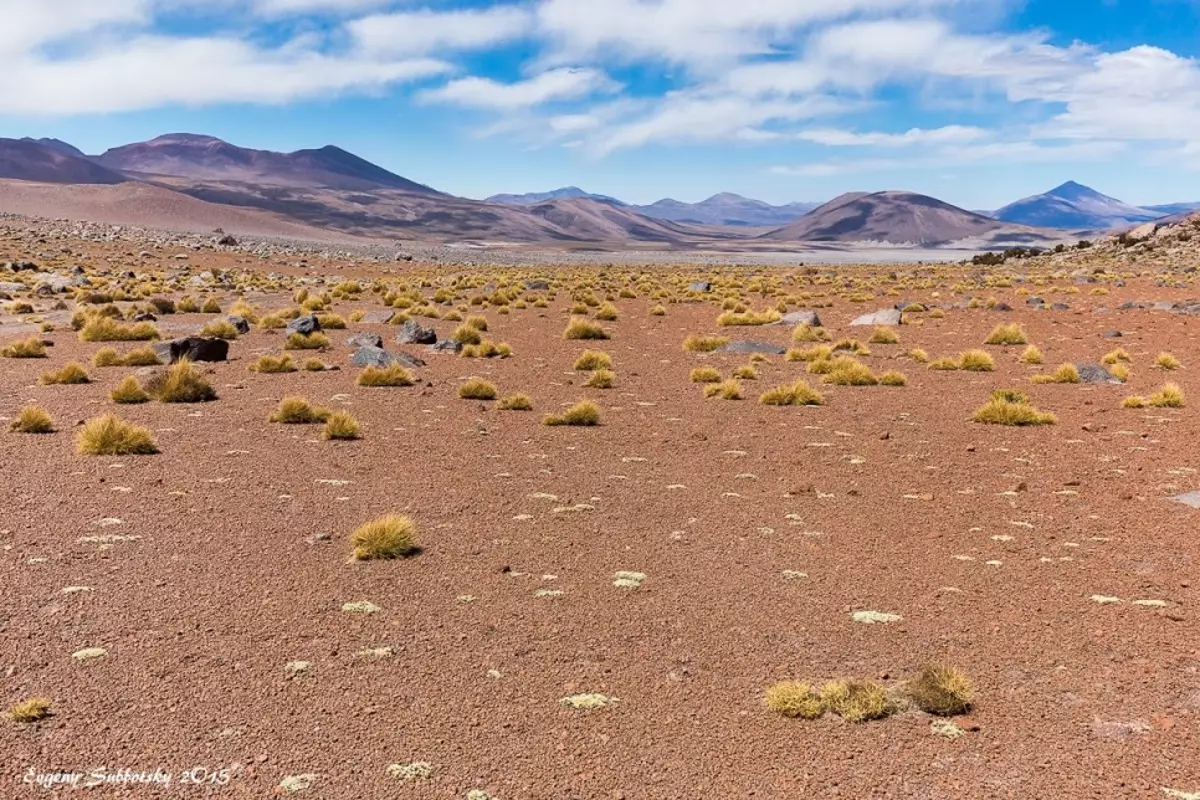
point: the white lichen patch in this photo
(89, 653)
(376, 653)
(794, 575)
(108, 538)
(361, 607)
(1176, 794)
(575, 509)
(587, 701)
(298, 783)
(628, 580)
(295, 669)
(1104, 599)
(873, 617)
(75, 589)
(1151, 603)
(480, 794)
(548, 593)
(946, 728)
(417, 770)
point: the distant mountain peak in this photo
(1073, 206)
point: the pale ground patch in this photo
(945, 728)
(295, 669)
(361, 607)
(298, 783)
(628, 580)
(89, 653)
(588, 700)
(872, 617)
(415, 771)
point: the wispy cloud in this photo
(556, 84)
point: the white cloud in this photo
(271, 7)
(832, 137)
(419, 32)
(555, 84)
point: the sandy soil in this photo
(990, 543)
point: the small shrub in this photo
(941, 690)
(1134, 402)
(601, 379)
(795, 699)
(477, 389)
(32, 710)
(658, 311)
(515, 402)
(111, 436)
(72, 373)
(1032, 356)
(1116, 356)
(999, 411)
(1011, 396)
(807, 333)
(884, 336)
(141, 357)
(32, 419)
(187, 305)
(1066, 373)
(105, 329)
(584, 329)
(341, 426)
(129, 392)
(846, 371)
(33, 347)
(312, 341)
(893, 378)
(818, 352)
(1169, 396)
(389, 536)
(467, 335)
(274, 364)
(796, 394)
(918, 355)
(766, 317)
(1007, 334)
(392, 375)
(584, 413)
(856, 701)
(1120, 371)
(106, 357)
(220, 329)
(695, 343)
(1167, 361)
(976, 361)
(705, 375)
(945, 364)
(181, 383)
(478, 322)
(606, 313)
(315, 365)
(746, 372)
(331, 322)
(726, 390)
(297, 411)
(211, 306)
(592, 360)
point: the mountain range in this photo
(330, 192)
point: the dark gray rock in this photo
(1111, 335)
(193, 348)
(537, 286)
(412, 333)
(700, 286)
(410, 361)
(1002, 307)
(22, 266)
(801, 318)
(227, 241)
(372, 357)
(238, 323)
(145, 316)
(378, 317)
(1095, 373)
(365, 340)
(304, 325)
(447, 346)
(1059, 307)
(884, 316)
(747, 346)
(1035, 301)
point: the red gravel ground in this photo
(990, 542)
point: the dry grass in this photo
(795, 699)
(893, 378)
(601, 379)
(211, 306)
(857, 700)
(976, 361)
(111, 436)
(796, 394)
(1169, 396)
(1167, 361)
(918, 355)
(33, 347)
(220, 329)
(106, 357)
(477, 389)
(1116, 356)
(584, 413)
(478, 322)
(592, 360)
(389, 536)
(884, 336)
(1120, 371)
(945, 364)
(312, 341)
(515, 402)
(807, 333)
(1136, 401)
(584, 329)
(274, 364)
(314, 365)
(658, 311)
(32, 419)
(696, 343)
(746, 372)
(731, 318)
(606, 312)
(31, 710)
(1011, 409)
(341, 426)
(141, 357)
(1066, 373)
(726, 390)
(105, 329)
(466, 335)
(1032, 355)
(392, 375)
(705, 375)
(1010, 333)
(72, 373)
(129, 392)
(181, 383)
(818, 352)
(297, 411)
(941, 690)
(847, 371)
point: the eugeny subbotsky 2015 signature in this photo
(103, 776)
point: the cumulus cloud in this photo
(555, 84)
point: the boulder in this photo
(365, 340)
(412, 333)
(700, 286)
(1059, 307)
(22, 266)
(446, 346)
(801, 318)
(378, 317)
(1095, 373)
(304, 325)
(145, 316)
(378, 357)
(748, 346)
(227, 241)
(1002, 307)
(884, 316)
(193, 348)
(1141, 232)
(537, 286)
(239, 323)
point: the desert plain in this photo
(598, 611)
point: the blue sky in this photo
(978, 102)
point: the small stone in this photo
(89, 653)
(295, 669)
(361, 607)
(298, 783)
(872, 617)
(417, 770)
(947, 729)
(628, 580)
(587, 701)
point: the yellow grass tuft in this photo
(607, 312)
(392, 375)
(746, 372)
(976, 361)
(31, 710)
(181, 383)
(72, 373)
(467, 335)
(32, 419)
(211, 306)
(1120, 372)
(105, 329)
(705, 375)
(941, 690)
(389, 536)
(341, 426)
(1066, 373)
(766, 317)
(106, 357)
(584, 329)
(312, 341)
(884, 336)
(1115, 356)
(274, 364)
(601, 379)
(807, 333)
(658, 311)
(696, 343)
(1134, 402)
(726, 390)
(1032, 356)
(794, 699)
(847, 371)
(592, 360)
(111, 436)
(297, 411)
(1167, 361)
(314, 365)
(944, 364)
(141, 357)
(478, 322)
(129, 392)
(515, 402)
(796, 394)
(818, 352)
(584, 413)
(477, 389)
(1000, 410)
(893, 378)
(220, 329)
(33, 347)
(1007, 334)
(856, 701)
(918, 355)
(1169, 396)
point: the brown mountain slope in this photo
(28, 160)
(583, 218)
(899, 218)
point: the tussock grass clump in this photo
(658, 311)
(746, 372)
(1009, 333)
(111, 436)
(853, 346)
(726, 390)
(181, 383)
(187, 305)
(697, 343)
(1167, 361)
(1032, 355)
(392, 375)
(106, 357)
(705, 375)
(72, 373)
(592, 360)
(857, 700)
(32, 419)
(918, 355)
(944, 364)
(297, 411)
(33, 347)
(211, 306)
(584, 413)
(807, 333)
(1120, 371)
(606, 313)
(331, 322)
(976, 361)
(1066, 373)
(486, 349)
(884, 336)
(893, 378)
(314, 365)
(515, 402)
(478, 322)
(1004, 410)
(795, 394)
(274, 364)
(477, 389)
(1136, 401)
(601, 379)
(389, 536)
(32, 710)
(220, 329)
(941, 690)
(819, 352)
(732, 318)
(795, 699)
(105, 329)
(1169, 396)
(584, 329)
(141, 357)
(129, 392)
(1011, 396)
(467, 335)
(312, 341)
(341, 426)
(1116, 356)
(846, 371)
